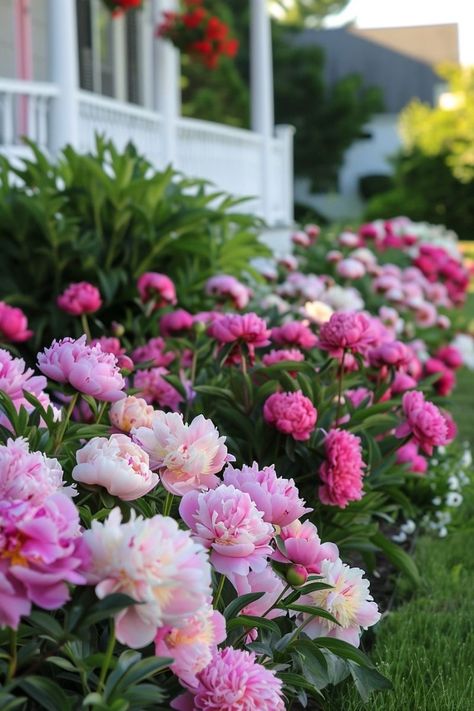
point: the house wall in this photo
(38, 9)
(7, 40)
(39, 21)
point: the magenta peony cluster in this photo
(152, 387)
(277, 356)
(156, 288)
(15, 380)
(446, 381)
(235, 328)
(227, 522)
(291, 413)
(117, 464)
(392, 353)
(86, 368)
(154, 351)
(154, 563)
(175, 322)
(277, 498)
(303, 547)
(187, 456)
(424, 422)
(130, 412)
(224, 286)
(13, 324)
(347, 331)
(408, 454)
(233, 681)
(342, 471)
(294, 333)
(80, 298)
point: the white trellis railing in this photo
(25, 111)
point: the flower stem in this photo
(85, 327)
(168, 504)
(101, 412)
(339, 393)
(108, 656)
(245, 378)
(63, 426)
(218, 594)
(13, 656)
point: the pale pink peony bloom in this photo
(289, 262)
(193, 645)
(154, 563)
(313, 231)
(87, 368)
(347, 330)
(13, 324)
(29, 476)
(233, 681)
(277, 356)
(424, 421)
(227, 522)
(357, 396)
(351, 268)
(153, 351)
(317, 311)
(187, 456)
(277, 498)
(266, 581)
(349, 239)
(348, 600)
(392, 353)
(408, 454)
(154, 389)
(228, 287)
(42, 551)
(130, 412)
(342, 470)
(294, 333)
(247, 328)
(403, 382)
(291, 413)
(334, 256)
(425, 314)
(80, 298)
(175, 322)
(14, 379)
(301, 239)
(109, 344)
(157, 288)
(117, 464)
(303, 547)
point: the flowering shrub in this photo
(205, 493)
(119, 7)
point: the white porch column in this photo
(167, 91)
(261, 79)
(63, 71)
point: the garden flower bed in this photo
(202, 466)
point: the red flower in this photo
(230, 48)
(202, 47)
(216, 30)
(193, 19)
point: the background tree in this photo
(306, 12)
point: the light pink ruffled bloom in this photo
(277, 498)
(153, 351)
(408, 454)
(424, 421)
(392, 353)
(247, 328)
(357, 396)
(13, 324)
(153, 562)
(117, 464)
(277, 356)
(29, 476)
(233, 681)
(227, 522)
(229, 287)
(342, 470)
(80, 298)
(193, 645)
(175, 322)
(109, 344)
(403, 382)
(188, 456)
(291, 413)
(303, 547)
(348, 600)
(14, 379)
(154, 389)
(87, 368)
(347, 330)
(156, 287)
(351, 268)
(130, 412)
(42, 551)
(294, 333)
(267, 582)
(301, 239)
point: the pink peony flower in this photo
(280, 355)
(233, 681)
(289, 262)
(342, 470)
(227, 522)
(247, 328)
(117, 464)
(294, 333)
(13, 324)
(109, 344)
(408, 454)
(154, 389)
(301, 239)
(80, 298)
(425, 314)
(291, 413)
(42, 551)
(193, 645)
(447, 379)
(392, 353)
(14, 380)
(424, 422)
(153, 351)
(188, 456)
(130, 412)
(154, 563)
(157, 288)
(28, 476)
(357, 396)
(403, 382)
(349, 239)
(87, 368)
(228, 287)
(347, 330)
(267, 582)
(175, 322)
(303, 547)
(277, 498)
(351, 268)
(334, 256)
(348, 600)
(450, 356)
(313, 231)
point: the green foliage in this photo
(308, 12)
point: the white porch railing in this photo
(25, 111)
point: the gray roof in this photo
(400, 77)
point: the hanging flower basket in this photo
(119, 7)
(199, 34)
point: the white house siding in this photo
(7, 40)
(39, 22)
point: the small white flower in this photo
(436, 501)
(399, 537)
(467, 458)
(453, 483)
(454, 498)
(408, 527)
(443, 532)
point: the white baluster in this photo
(7, 119)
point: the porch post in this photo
(63, 71)
(167, 94)
(261, 79)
